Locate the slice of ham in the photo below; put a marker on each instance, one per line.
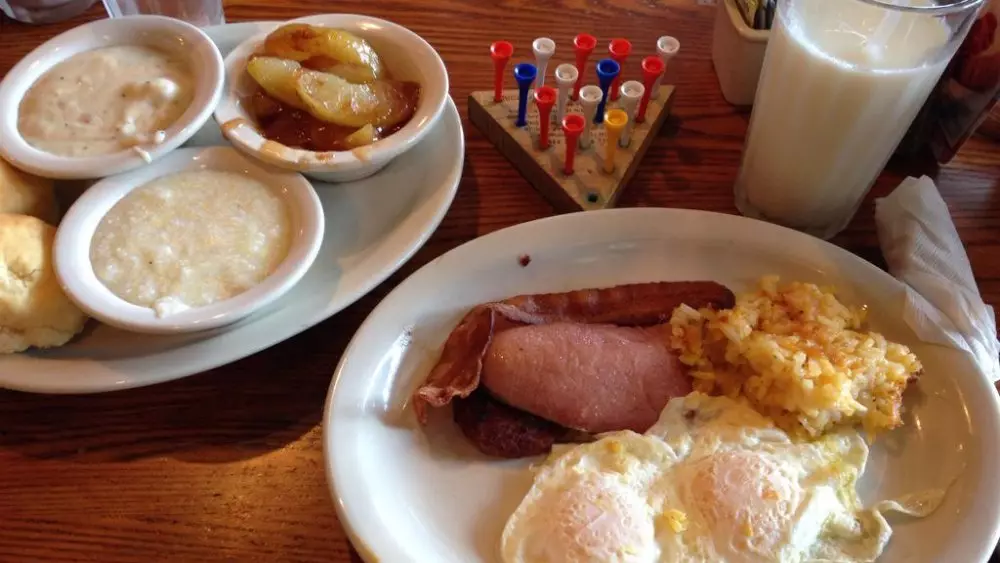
(588, 377)
(458, 371)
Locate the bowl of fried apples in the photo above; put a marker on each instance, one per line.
(335, 96)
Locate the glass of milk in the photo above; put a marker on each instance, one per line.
(842, 81)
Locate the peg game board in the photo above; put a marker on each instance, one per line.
(589, 187)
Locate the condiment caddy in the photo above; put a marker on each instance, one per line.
(737, 53)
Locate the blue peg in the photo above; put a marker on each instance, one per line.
(525, 74)
(607, 71)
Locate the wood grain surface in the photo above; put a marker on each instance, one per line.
(228, 465)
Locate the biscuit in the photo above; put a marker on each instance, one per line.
(34, 311)
(24, 194)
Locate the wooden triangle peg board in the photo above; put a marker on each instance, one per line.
(589, 187)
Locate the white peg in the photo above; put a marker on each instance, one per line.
(544, 48)
(666, 47)
(566, 75)
(590, 97)
(631, 92)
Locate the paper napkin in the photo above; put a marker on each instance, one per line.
(923, 250)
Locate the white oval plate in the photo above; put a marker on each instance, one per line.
(373, 227)
(395, 484)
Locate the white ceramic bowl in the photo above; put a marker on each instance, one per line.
(169, 34)
(71, 250)
(405, 54)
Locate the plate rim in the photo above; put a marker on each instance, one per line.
(235, 33)
(335, 472)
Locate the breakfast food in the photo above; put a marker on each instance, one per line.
(324, 89)
(106, 100)
(340, 52)
(191, 239)
(536, 370)
(799, 356)
(563, 366)
(759, 463)
(500, 430)
(713, 480)
(24, 194)
(34, 311)
(626, 374)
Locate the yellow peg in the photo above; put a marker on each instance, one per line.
(614, 123)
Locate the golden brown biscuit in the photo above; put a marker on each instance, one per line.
(34, 311)
(24, 194)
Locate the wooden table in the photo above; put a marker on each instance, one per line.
(228, 465)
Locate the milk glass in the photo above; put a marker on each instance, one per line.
(842, 81)
(201, 13)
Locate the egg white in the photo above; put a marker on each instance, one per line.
(712, 480)
(591, 504)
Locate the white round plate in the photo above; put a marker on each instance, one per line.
(373, 227)
(411, 493)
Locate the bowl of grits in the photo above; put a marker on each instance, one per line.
(108, 96)
(197, 240)
(335, 96)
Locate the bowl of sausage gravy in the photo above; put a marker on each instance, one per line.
(108, 96)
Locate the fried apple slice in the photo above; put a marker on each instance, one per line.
(361, 137)
(354, 58)
(330, 98)
(357, 74)
(277, 78)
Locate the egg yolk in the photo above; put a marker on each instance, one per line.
(675, 520)
(746, 501)
(594, 518)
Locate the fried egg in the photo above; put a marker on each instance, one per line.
(712, 480)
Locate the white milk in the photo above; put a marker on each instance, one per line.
(836, 96)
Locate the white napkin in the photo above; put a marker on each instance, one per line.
(923, 250)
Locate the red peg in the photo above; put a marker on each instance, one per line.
(500, 52)
(584, 45)
(619, 50)
(545, 98)
(572, 126)
(652, 68)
